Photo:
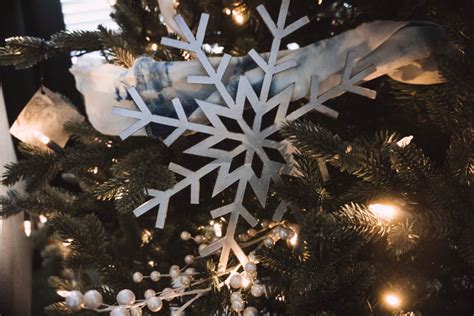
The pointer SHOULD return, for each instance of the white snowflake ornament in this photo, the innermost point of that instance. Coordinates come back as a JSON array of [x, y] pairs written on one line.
[[254, 139]]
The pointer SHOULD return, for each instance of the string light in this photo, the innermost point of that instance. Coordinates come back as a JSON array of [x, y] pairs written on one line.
[[218, 229], [392, 300], [43, 219], [27, 227], [154, 47], [293, 46], [67, 242], [294, 240], [384, 211]]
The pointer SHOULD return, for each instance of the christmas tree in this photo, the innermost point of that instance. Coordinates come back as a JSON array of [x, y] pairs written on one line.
[[380, 217]]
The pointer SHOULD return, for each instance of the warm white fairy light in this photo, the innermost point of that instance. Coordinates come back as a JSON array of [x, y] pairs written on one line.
[[392, 300], [293, 46], [218, 229], [27, 227], [294, 240], [43, 219], [154, 47], [67, 242], [405, 141], [384, 211]]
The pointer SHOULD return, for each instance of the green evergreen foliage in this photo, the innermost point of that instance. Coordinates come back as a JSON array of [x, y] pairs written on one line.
[[347, 256]]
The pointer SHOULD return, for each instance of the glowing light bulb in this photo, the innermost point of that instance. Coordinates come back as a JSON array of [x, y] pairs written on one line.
[[67, 242], [27, 227], [293, 46], [294, 240], [43, 219], [218, 229], [383, 211], [154, 47], [392, 300], [227, 11], [240, 14]]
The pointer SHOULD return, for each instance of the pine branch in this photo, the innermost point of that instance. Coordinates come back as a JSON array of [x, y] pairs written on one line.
[[26, 51], [38, 168]]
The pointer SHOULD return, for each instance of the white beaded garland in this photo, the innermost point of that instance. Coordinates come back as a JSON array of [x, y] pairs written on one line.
[[238, 305], [125, 297], [137, 277], [250, 311], [174, 271], [190, 271], [150, 293], [155, 276], [252, 232], [154, 304], [202, 247], [250, 267], [257, 290], [185, 280], [189, 259], [74, 300], [185, 236], [235, 281], [92, 299], [199, 239], [167, 294], [269, 242], [235, 296], [136, 311], [119, 311]]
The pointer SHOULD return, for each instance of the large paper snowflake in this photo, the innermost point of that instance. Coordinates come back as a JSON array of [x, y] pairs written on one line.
[[254, 139]]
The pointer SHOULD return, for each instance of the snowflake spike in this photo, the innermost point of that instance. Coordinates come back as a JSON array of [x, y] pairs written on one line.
[[267, 19], [201, 31], [285, 5], [183, 26]]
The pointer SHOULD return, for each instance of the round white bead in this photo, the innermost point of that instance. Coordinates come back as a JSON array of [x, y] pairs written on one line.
[[167, 293], [137, 277], [250, 267], [185, 235], [252, 232], [238, 305], [136, 311], [257, 290], [185, 280], [119, 311], [235, 281], [154, 304], [202, 247], [250, 311], [155, 276], [199, 239], [244, 237], [190, 271], [189, 259], [268, 242], [253, 257], [74, 300], [93, 299], [125, 297], [174, 271], [235, 296], [150, 293]]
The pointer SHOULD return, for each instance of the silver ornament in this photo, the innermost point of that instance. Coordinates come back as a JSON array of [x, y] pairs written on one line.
[[185, 235]]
